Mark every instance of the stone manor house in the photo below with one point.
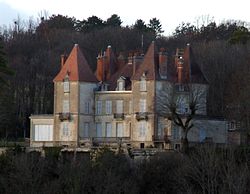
(122, 103)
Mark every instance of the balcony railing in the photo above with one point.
(141, 116)
(110, 139)
(64, 116)
(119, 116)
(181, 87)
(162, 138)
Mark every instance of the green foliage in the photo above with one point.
(240, 36)
(155, 26)
(114, 21)
(91, 24)
(140, 26)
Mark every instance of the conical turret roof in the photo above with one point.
(76, 67)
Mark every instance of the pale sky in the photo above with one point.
(170, 13)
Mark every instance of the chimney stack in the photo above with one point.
(137, 60)
(163, 61)
(100, 68)
(63, 59)
(180, 69)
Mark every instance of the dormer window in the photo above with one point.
(121, 84)
(66, 84)
(143, 83)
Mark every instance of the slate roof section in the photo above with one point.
(149, 65)
(192, 70)
(125, 71)
(77, 67)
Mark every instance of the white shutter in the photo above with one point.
(108, 130)
(119, 129)
(98, 130)
(66, 106)
(108, 107)
(119, 106)
(43, 133)
(142, 105)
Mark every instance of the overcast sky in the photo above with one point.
(170, 13)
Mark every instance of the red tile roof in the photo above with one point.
(149, 65)
(77, 67)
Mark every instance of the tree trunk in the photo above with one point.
(184, 145)
(184, 142)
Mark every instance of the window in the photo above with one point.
(160, 130)
(65, 106)
(119, 129)
(108, 107)
(119, 106)
(121, 84)
(142, 105)
(99, 107)
(86, 130)
(176, 133)
(98, 130)
(43, 133)
(233, 125)
(108, 130)
(143, 85)
(87, 107)
(66, 85)
(65, 128)
(142, 128)
(202, 134)
(181, 88)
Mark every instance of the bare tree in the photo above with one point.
(180, 103)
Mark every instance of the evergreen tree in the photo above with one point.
(114, 21)
(140, 25)
(155, 26)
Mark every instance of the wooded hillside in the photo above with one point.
(32, 50)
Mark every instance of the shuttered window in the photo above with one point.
(43, 133)
(119, 106)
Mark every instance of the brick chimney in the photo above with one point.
(63, 60)
(100, 68)
(137, 60)
(180, 69)
(110, 63)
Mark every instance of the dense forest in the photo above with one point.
(30, 58)
(206, 169)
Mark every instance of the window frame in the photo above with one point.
(98, 107)
(119, 106)
(108, 108)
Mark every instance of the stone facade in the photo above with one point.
(120, 105)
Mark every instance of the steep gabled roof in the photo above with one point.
(125, 71)
(149, 65)
(77, 68)
(192, 70)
